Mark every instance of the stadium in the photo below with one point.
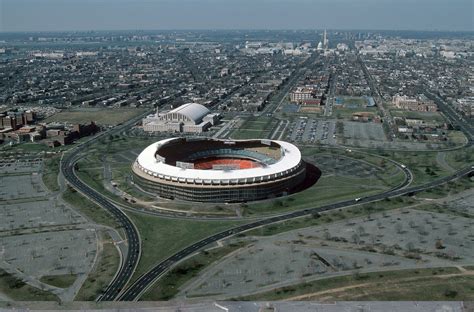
(211, 170)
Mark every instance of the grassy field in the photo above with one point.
(89, 209)
(420, 284)
(353, 100)
(334, 187)
(326, 190)
(162, 237)
(460, 158)
(103, 272)
(17, 290)
(450, 188)
(423, 164)
(121, 174)
(50, 172)
(426, 116)
(255, 128)
(350, 105)
(104, 116)
(168, 286)
(456, 137)
(61, 281)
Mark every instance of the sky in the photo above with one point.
(65, 15)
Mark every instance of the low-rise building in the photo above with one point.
(419, 103)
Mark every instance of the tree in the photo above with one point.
(360, 230)
(355, 238)
(399, 228)
(439, 244)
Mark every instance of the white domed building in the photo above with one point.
(212, 170)
(189, 118)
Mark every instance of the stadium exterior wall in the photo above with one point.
(240, 190)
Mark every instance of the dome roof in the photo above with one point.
(192, 111)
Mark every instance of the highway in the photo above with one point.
(146, 280)
(453, 116)
(115, 290)
(132, 236)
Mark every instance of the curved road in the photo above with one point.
(146, 280)
(133, 239)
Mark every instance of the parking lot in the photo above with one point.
(11, 165)
(50, 253)
(21, 186)
(399, 239)
(40, 213)
(310, 130)
(364, 134)
(283, 259)
(343, 166)
(40, 235)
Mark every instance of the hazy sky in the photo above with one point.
(27, 15)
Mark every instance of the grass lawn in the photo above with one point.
(419, 284)
(121, 175)
(168, 285)
(456, 137)
(426, 116)
(162, 237)
(450, 188)
(103, 272)
(61, 281)
(50, 172)
(89, 209)
(18, 290)
(104, 116)
(255, 128)
(423, 164)
(354, 100)
(460, 158)
(333, 188)
(346, 113)
(327, 190)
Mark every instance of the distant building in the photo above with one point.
(420, 103)
(60, 136)
(16, 119)
(302, 93)
(190, 118)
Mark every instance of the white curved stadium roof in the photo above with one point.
(150, 165)
(192, 111)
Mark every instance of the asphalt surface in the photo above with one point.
(129, 264)
(133, 239)
(456, 119)
(144, 281)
